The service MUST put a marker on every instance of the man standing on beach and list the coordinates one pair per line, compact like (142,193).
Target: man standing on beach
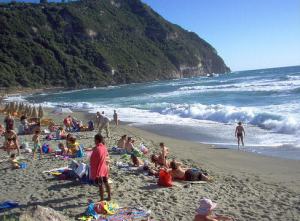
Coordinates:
(104,124)
(98,116)
(99,168)
(239,134)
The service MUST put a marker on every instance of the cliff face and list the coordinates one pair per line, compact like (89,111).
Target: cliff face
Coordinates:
(97,43)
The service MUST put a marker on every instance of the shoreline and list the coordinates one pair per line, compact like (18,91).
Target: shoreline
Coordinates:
(174,131)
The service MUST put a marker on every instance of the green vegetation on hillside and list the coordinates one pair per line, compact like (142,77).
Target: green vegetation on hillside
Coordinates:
(96,43)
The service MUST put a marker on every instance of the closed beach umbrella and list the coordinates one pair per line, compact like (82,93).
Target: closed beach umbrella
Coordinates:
(17,108)
(34,113)
(5,107)
(41,112)
(29,111)
(10,108)
(14,107)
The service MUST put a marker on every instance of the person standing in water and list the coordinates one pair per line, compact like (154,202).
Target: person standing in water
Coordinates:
(116,120)
(239,134)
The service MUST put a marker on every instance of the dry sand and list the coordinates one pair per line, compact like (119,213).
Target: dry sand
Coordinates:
(246,186)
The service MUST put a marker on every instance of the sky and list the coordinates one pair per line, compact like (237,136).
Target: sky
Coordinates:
(248,34)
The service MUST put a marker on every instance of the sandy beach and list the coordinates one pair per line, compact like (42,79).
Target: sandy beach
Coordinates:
(246,186)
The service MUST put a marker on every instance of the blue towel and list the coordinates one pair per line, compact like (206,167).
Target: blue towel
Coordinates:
(8,205)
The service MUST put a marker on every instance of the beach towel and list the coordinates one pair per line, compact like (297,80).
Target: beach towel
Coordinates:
(126,214)
(104,208)
(8,205)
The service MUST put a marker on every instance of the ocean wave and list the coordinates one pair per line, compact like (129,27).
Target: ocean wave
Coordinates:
(231,114)
(254,86)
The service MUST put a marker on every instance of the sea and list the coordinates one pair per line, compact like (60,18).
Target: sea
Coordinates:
(204,109)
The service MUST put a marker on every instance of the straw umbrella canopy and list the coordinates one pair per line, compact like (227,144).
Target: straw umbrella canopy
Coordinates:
(14,104)
(17,107)
(5,107)
(34,112)
(21,108)
(41,112)
(28,111)
(10,108)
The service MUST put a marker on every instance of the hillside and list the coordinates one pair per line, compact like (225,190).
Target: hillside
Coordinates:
(96,43)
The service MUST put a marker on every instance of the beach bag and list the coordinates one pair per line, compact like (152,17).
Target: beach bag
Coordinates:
(164,179)
(91,125)
(45,148)
(80,152)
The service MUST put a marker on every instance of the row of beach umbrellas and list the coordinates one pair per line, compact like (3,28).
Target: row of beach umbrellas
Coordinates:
(21,109)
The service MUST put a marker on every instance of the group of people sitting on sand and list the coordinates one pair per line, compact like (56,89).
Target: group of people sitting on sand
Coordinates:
(161,160)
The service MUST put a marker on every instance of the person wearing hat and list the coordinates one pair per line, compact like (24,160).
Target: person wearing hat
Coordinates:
(204,212)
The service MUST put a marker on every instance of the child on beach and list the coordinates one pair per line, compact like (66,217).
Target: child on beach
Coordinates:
(73,146)
(204,212)
(63,149)
(14,162)
(99,170)
(239,134)
(37,143)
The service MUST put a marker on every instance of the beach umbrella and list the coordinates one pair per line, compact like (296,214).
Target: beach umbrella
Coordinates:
(21,109)
(14,105)
(5,107)
(29,111)
(62,110)
(17,106)
(41,112)
(34,112)
(10,108)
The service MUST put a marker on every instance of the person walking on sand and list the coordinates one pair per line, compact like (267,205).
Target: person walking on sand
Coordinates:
(104,124)
(204,212)
(37,144)
(99,166)
(116,120)
(239,134)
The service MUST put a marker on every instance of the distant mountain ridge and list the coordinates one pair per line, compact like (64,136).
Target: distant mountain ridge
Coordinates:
(96,43)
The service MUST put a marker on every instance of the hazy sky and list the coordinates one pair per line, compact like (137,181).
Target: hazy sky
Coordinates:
(248,34)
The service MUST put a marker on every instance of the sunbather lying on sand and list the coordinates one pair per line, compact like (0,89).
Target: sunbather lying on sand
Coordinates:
(188,174)
(204,212)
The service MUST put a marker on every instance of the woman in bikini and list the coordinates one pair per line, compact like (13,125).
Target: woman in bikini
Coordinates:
(11,141)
